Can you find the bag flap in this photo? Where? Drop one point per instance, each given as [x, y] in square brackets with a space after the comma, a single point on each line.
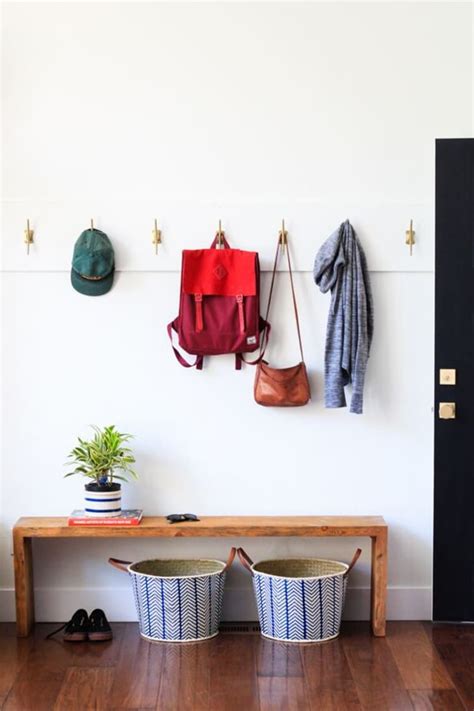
[220, 272]
[282, 375]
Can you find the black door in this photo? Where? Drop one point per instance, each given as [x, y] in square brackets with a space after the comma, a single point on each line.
[453, 583]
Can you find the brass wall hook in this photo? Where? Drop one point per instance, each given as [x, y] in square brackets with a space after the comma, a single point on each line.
[410, 237]
[283, 236]
[220, 235]
[156, 236]
[29, 234]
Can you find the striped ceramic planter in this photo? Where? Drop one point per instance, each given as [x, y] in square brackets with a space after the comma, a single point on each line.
[299, 600]
[105, 502]
[177, 600]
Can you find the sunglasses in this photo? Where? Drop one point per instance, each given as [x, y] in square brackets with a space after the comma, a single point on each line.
[178, 518]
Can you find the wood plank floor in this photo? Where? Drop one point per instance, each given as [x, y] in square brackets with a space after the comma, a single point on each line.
[418, 666]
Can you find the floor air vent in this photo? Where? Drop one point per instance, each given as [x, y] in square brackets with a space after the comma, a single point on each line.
[239, 628]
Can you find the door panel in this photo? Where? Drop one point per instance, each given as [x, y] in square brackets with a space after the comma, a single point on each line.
[453, 576]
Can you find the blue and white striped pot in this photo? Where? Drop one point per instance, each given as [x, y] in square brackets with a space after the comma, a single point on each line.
[299, 600]
[105, 502]
[177, 600]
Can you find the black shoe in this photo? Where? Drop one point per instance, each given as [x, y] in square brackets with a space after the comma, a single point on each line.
[76, 630]
[99, 629]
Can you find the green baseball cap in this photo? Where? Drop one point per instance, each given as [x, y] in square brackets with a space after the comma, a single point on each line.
[93, 263]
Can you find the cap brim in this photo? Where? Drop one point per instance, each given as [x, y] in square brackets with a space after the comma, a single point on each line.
[92, 287]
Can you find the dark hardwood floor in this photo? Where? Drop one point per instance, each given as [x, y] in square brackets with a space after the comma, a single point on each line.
[417, 666]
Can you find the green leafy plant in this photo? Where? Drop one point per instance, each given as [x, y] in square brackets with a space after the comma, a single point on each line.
[100, 457]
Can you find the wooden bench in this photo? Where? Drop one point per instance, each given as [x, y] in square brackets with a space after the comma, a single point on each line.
[209, 527]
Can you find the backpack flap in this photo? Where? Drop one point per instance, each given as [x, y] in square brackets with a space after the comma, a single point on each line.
[219, 272]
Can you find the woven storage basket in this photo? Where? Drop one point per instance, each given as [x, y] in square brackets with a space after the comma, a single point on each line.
[177, 600]
[301, 599]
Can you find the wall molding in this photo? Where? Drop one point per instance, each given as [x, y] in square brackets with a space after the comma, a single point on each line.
[178, 271]
[58, 604]
[380, 227]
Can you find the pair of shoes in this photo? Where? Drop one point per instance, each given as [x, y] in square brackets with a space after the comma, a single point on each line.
[82, 627]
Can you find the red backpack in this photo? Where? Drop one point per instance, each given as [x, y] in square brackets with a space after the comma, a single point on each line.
[219, 306]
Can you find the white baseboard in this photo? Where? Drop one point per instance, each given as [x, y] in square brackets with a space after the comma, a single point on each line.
[58, 604]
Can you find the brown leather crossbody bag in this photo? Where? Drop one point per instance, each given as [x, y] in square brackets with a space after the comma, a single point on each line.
[282, 387]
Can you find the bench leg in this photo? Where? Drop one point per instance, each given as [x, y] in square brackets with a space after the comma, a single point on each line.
[378, 589]
[24, 592]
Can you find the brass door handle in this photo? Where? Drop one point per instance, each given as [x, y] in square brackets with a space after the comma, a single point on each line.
[447, 410]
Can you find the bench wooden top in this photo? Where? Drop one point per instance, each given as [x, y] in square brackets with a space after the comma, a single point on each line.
[208, 526]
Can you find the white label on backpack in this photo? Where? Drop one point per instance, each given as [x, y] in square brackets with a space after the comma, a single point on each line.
[251, 340]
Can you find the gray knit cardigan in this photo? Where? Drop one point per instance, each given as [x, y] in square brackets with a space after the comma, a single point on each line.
[341, 266]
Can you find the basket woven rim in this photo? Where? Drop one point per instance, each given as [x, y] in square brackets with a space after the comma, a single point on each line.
[159, 640]
[300, 577]
[177, 560]
[284, 640]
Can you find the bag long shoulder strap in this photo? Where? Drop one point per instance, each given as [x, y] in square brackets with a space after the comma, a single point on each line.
[272, 285]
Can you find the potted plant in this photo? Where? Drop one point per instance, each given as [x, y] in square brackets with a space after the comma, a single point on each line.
[99, 460]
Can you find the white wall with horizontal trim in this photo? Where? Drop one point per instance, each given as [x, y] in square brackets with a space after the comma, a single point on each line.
[191, 112]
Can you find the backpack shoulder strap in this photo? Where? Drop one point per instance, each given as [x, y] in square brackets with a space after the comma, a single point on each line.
[199, 358]
[265, 329]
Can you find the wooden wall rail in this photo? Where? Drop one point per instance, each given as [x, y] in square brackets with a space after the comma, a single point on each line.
[373, 527]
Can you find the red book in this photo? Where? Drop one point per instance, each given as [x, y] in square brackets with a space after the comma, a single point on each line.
[127, 517]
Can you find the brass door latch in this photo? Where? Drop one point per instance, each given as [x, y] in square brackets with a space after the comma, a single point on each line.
[447, 410]
[447, 376]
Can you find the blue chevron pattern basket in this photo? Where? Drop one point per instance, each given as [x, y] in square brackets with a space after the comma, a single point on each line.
[299, 600]
[177, 600]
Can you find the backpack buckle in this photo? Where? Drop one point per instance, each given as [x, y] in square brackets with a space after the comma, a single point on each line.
[199, 314]
[240, 304]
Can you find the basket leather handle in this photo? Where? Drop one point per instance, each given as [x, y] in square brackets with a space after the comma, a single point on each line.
[245, 559]
[230, 559]
[119, 564]
[353, 561]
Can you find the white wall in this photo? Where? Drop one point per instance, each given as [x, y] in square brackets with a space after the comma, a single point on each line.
[249, 113]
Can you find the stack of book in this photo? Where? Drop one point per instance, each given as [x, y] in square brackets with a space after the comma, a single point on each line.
[127, 517]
